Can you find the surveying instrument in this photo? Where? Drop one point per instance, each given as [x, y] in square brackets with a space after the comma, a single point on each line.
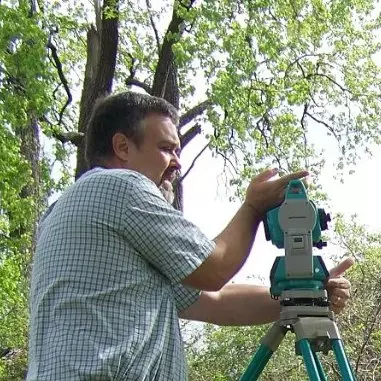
[298, 280]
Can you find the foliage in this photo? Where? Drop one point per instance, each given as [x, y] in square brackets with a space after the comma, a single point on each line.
[276, 70]
[26, 95]
[227, 351]
[278, 73]
[362, 321]
[13, 317]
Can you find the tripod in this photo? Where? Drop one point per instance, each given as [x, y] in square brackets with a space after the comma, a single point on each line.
[305, 313]
[298, 280]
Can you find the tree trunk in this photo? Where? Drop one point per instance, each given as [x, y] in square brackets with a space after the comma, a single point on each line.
[102, 43]
[30, 150]
[102, 48]
[165, 83]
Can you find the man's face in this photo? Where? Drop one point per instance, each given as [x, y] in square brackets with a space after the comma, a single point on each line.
[157, 157]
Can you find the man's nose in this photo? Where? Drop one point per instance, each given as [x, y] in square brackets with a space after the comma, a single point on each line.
[176, 161]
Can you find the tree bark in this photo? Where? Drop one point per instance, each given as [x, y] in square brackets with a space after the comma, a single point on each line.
[102, 47]
[165, 83]
[30, 150]
[102, 43]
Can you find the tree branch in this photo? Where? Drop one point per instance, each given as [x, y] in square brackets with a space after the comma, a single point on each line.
[330, 128]
[303, 118]
[193, 163]
[193, 112]
[342, 88]
[61, 75]
[227, 160]
[158, 45]
[41, 5]
[98, 15]
[368, 335]
[297, 61]
[189, 135]
[142, 85]
[75, 138]
[262, 125]
[165, 82]
[33, 8]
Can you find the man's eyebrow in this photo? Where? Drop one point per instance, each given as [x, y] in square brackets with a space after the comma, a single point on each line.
[172, 143]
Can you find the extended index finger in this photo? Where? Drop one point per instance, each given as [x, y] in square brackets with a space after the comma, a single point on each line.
[293, 176]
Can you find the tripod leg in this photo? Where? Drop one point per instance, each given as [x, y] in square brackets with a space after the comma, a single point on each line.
[319, 367]
[269, 344]
[309, 360]
[257, 364]
[341, 358]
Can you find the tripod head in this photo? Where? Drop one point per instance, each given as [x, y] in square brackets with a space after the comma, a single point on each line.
[296, 226]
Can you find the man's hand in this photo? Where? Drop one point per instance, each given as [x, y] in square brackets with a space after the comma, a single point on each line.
[264, 194]
[338, 287]
[166, 190]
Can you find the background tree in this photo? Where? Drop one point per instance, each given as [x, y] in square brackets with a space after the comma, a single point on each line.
[24, 96]
[362, 322]
[252, 76]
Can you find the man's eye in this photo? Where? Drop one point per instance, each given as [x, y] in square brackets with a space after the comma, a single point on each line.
[171, 151]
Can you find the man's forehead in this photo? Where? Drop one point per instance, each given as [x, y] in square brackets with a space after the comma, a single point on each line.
[169, 135]
[161, 127]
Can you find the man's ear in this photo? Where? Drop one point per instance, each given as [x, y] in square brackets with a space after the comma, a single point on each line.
[121, 145]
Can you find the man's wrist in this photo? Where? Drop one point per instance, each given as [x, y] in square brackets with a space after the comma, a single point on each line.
[257, 213]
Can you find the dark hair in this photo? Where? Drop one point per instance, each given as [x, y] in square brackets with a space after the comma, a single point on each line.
[123, 113]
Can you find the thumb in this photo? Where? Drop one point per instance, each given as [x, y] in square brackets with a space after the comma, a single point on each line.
[167, 185]
[265, 175]
[341, 267]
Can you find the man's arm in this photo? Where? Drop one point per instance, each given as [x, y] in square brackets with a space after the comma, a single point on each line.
[232, 248]
[233, 245]
[234, 304]
[244, 304]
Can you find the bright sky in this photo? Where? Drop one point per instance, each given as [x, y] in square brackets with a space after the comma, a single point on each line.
[206, 203]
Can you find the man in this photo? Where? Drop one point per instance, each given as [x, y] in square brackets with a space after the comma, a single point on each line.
[116, 265]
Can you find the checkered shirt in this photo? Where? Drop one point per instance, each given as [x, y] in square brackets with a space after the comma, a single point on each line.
[106, 283]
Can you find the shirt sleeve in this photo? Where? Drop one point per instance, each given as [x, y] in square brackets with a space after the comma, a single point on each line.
[184, 296]
[161, 234]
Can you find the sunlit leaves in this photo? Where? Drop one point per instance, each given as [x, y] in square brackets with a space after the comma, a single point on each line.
[362, 322]
[312, 59]
[13, 317]
[26, 96]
